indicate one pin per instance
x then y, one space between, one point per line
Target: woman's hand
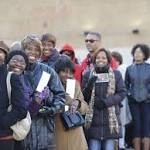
37 98
74 106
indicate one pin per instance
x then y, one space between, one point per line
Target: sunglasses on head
90 40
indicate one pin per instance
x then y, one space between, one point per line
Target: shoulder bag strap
9 88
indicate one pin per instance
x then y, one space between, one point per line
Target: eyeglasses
90 40
15 61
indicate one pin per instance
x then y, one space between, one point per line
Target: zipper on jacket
102 111
139 78
102 126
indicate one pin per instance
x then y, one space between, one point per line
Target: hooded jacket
78 68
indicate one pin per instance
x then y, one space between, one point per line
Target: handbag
20 128
72 120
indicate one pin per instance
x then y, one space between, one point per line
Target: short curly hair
144 48
32 40
64 62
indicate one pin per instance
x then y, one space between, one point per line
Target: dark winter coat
19 110
34 74
137 81
44 123
100 125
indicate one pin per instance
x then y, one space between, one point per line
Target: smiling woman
33 48
72 139
17 61
103 89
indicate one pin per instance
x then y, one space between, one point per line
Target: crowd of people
113 98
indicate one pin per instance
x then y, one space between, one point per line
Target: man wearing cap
4 49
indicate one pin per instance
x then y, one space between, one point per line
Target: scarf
112 118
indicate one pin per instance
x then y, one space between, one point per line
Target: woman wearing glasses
19 108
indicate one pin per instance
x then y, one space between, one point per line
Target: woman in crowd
50 53
18 111
48 106
68 50
72 139
103 90
138 85
17 62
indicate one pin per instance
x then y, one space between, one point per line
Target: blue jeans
95 144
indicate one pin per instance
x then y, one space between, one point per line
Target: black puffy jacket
19 110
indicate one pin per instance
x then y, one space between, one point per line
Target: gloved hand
91 81
40 96
87 91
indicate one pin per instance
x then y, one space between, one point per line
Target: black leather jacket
137 81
